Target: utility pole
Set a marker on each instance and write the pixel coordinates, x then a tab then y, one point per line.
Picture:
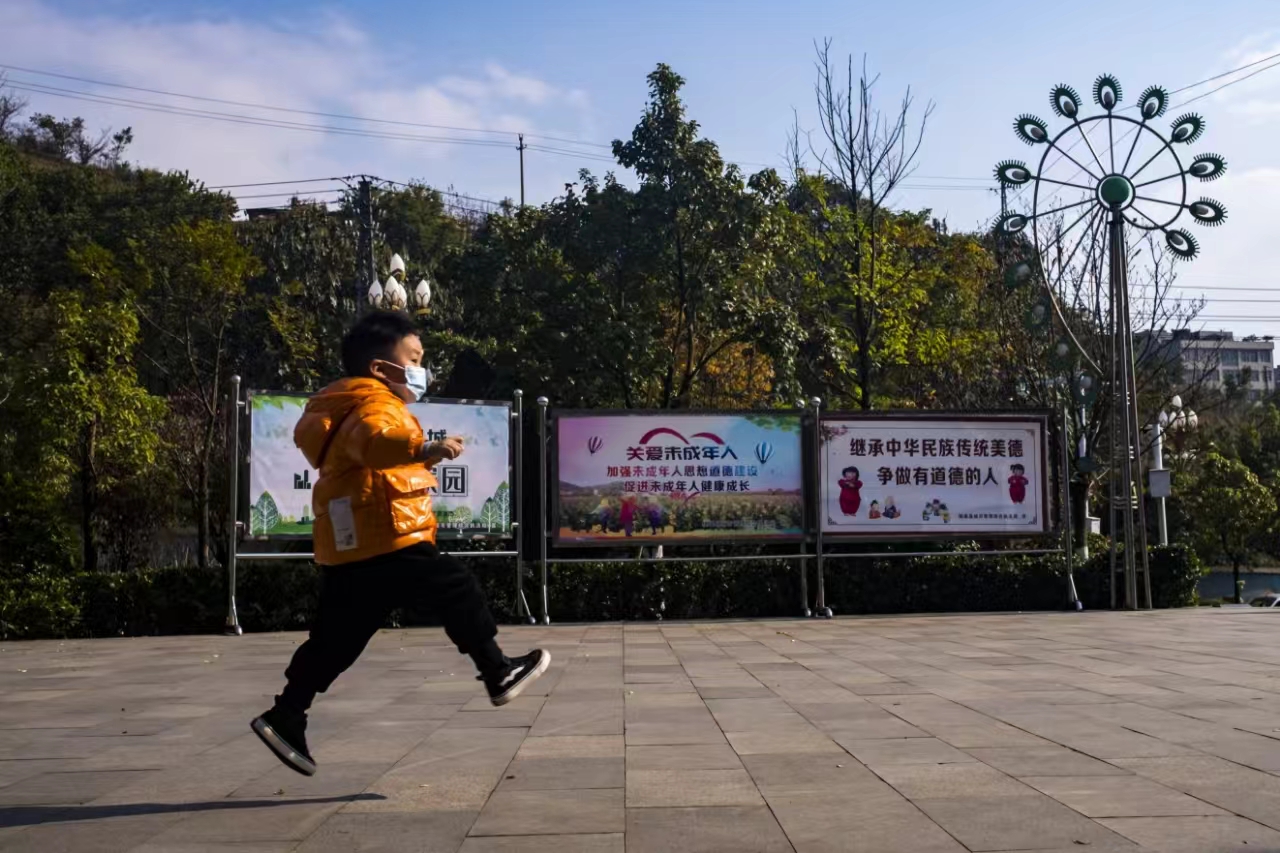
521	148
366	271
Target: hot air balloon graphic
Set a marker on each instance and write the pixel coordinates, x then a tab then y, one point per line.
764	452
594	444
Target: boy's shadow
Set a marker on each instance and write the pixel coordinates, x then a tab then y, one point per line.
11	816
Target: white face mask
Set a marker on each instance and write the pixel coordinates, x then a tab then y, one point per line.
418	379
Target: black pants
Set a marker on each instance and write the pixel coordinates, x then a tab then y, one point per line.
357	598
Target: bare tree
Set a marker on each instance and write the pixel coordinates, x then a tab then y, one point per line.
11	107
868	154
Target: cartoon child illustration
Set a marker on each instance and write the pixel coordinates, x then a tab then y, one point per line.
602	513
890	508
928	511
1017	484
850	491
874	512
946	514
936	506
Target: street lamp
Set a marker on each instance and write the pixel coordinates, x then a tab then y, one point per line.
1160	480
393	296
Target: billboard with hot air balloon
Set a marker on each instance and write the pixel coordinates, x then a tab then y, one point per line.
650	478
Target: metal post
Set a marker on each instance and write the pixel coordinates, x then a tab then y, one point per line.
820	607
543	533
1143	558
1113	509
1066	508
1157	458
233	482
804	586
517	489
1122	362
521	147
366	268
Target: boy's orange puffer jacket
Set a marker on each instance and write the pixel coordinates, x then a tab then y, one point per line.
370	443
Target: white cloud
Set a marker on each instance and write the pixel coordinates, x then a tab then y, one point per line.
327	65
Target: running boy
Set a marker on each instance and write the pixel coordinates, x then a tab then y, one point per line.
375	533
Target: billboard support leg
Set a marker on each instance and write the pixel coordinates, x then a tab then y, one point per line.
821	608
234	405
804	581
1073	597
517	489
543	533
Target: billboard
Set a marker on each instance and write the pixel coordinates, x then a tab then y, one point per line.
917	477
472	500
650	478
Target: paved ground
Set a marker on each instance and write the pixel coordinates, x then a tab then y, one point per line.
1096	732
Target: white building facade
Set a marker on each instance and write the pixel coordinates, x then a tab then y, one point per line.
1222	361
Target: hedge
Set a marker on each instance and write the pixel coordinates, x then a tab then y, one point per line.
282	595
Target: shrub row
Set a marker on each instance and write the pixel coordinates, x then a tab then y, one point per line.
282	596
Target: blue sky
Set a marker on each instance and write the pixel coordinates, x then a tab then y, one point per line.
575	70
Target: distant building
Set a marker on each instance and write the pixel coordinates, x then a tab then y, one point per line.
1248	363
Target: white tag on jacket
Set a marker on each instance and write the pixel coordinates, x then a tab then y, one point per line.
343	521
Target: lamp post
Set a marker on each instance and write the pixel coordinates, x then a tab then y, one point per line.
393	296
1173	419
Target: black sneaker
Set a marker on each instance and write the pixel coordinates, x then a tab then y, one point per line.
510	681
286	734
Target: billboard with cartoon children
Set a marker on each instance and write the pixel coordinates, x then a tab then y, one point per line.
473	499
650	477
905	476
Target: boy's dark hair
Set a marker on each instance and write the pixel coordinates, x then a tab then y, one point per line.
846	471
1017	468
374	335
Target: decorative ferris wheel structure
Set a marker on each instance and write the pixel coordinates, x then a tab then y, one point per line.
1096	181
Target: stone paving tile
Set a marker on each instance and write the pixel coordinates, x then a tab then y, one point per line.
583	746
688	757
705	830
913	750
105	835
1119	796
611	843
668	788
428	831
552	813
1046	761
859	822
1196	834
1125	722
935	781
1005	823
538	774
66	787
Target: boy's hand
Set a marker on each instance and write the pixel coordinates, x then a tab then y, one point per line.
448	448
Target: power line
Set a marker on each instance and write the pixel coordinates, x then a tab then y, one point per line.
236	118
277	183
294	110
293	194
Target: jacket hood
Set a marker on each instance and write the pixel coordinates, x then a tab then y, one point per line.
327	410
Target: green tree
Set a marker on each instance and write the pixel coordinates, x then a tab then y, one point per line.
99	426
264	516
502	505
188	286
1231	510
489	515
